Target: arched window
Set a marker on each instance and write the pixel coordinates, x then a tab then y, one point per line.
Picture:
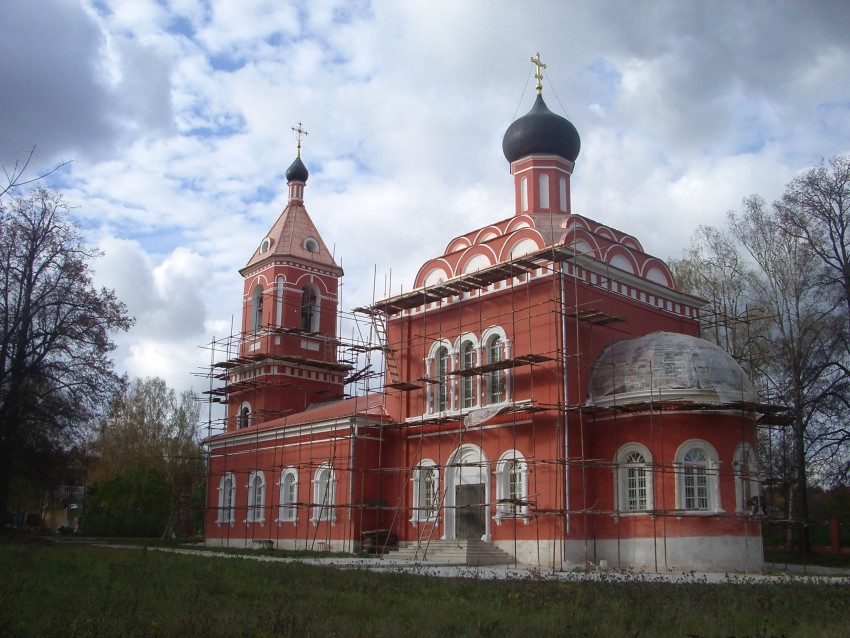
467	382
511	486
256	497
279	300
324	494
310	309
441	376
495	378
425	492
288	495
697	487
544	190
747	497
562	193
226	499
633	479
243	417
257	308
523	194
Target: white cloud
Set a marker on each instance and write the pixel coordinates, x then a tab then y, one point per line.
178	115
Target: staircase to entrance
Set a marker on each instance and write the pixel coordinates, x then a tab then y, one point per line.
454	552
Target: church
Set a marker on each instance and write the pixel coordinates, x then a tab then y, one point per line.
542	397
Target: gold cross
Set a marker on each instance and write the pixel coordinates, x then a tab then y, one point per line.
299	135
539	75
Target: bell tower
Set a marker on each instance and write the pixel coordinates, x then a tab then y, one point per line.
288	357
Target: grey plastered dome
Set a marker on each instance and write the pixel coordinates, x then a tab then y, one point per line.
667	366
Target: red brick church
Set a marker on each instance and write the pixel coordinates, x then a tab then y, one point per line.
544	397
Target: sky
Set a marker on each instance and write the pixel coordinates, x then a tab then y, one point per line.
177	116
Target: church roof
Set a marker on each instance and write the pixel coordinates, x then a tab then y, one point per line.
540	131
293	235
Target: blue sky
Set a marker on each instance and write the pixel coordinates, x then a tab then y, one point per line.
177	117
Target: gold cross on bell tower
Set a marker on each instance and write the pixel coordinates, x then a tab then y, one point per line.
539	74
299	135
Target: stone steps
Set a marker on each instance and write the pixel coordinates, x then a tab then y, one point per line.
454	552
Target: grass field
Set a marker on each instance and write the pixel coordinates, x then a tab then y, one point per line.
93	591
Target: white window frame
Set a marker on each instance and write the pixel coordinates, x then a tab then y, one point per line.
256	318
503	376
226	500
711	474
543	185
511	465
280	284
442	379
624	469
244	419
287	510
256	498
468	386
314	310
422	510
324	494
747	485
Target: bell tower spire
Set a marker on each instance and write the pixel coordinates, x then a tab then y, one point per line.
296	174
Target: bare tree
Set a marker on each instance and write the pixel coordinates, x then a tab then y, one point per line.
55	328
816	209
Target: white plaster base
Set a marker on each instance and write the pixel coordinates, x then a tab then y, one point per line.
702	553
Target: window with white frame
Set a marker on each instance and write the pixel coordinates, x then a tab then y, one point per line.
633	479
257	308
256	497
441	376
511	486
496	378
324	494
243	417
544	190
281	281
310	308
467	382
426	500
288	495
226	499
697	486
747	498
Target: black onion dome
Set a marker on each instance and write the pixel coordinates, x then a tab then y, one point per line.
541	131
297	172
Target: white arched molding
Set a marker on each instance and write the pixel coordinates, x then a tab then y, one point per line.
523	247
657	276
226	500
256	498
467	355
426	492
697	469
244	417
437	368
257	308
511	487
435	277
288	484
467	465
747	493
324	494
495	347
633	480
280	283
478	262
622	262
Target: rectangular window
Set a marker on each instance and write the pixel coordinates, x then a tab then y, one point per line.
696	489
636	489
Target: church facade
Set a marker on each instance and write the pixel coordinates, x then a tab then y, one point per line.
543	391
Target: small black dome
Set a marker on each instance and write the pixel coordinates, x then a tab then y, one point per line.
297	172
541	131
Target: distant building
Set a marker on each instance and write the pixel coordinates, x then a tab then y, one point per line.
545	393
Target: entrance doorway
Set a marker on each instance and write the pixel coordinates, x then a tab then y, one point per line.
471	512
